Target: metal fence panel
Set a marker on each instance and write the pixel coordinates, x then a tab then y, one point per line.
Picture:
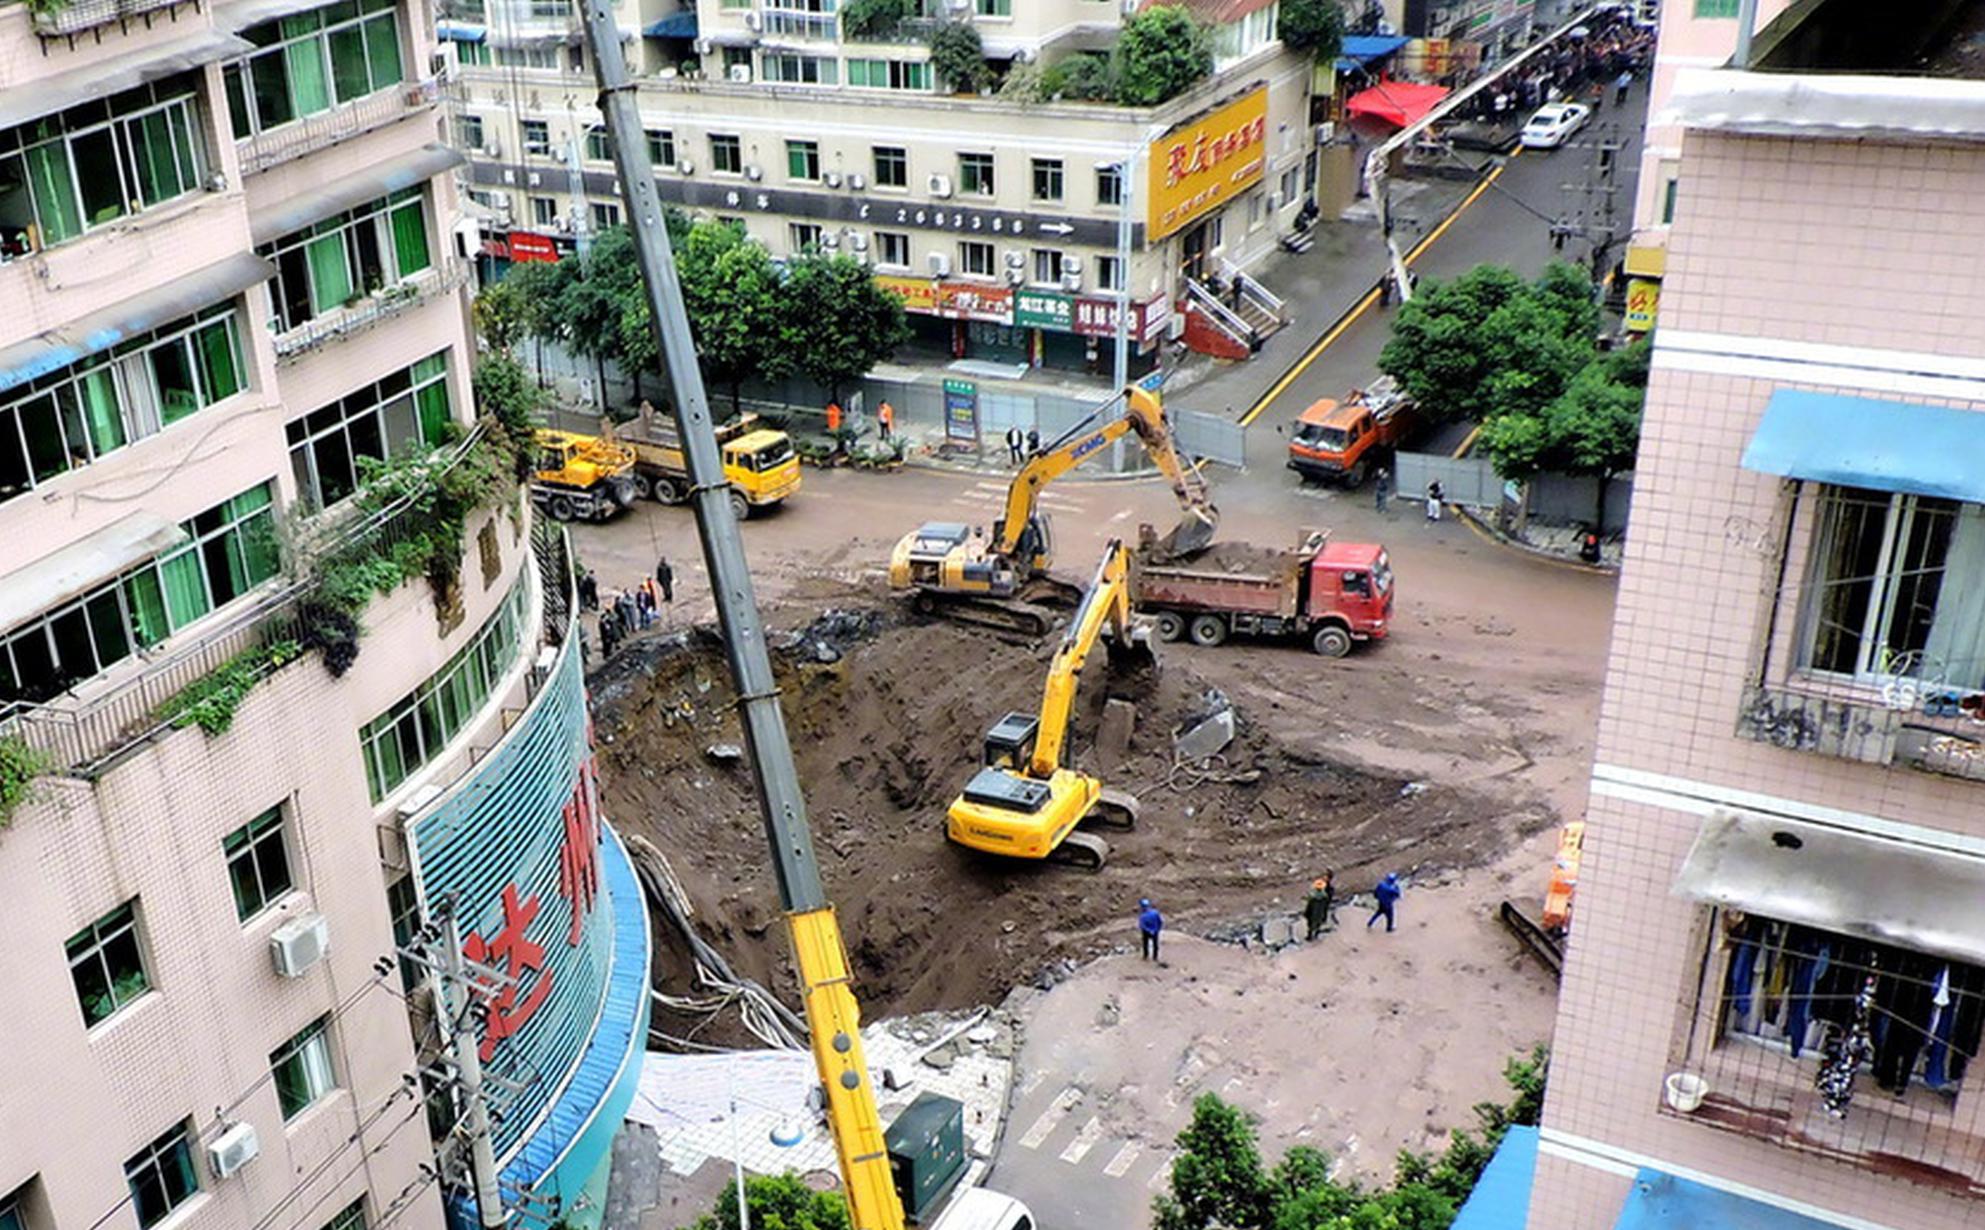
1464	480
1212	436
1564	499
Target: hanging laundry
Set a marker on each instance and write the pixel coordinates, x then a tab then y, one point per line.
1845	1051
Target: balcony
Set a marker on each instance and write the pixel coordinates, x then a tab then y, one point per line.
795	23
54	20
445	278
1902	723
327	128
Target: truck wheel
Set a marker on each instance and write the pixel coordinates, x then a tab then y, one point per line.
560	508
1209	630
740	507
1171	626
1331	642
1354	478
665	492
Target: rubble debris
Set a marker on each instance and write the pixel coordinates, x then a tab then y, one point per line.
724	753
1113	740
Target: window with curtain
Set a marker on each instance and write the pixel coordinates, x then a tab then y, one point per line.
90	165
348	255
72	416
402	414
313	61
302	1068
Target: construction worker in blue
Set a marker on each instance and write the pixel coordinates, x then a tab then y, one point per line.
1149	923
1387	893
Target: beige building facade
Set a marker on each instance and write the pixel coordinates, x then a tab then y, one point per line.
1772	996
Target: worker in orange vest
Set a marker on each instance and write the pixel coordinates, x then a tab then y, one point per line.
885	420
833	417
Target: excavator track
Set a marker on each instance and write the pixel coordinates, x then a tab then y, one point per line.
1085	851
1023	618
1116	809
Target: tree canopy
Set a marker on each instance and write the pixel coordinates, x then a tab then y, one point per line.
865	326
778	1202
1315	26
958	55
1161	53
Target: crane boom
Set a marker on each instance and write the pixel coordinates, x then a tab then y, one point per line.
833	1017
1106	604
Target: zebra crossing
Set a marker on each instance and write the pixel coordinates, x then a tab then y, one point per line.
1083	1142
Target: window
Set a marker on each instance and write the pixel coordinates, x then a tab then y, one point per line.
805	236
598	147
302	1068
1895	586
892	166
606	215
402	414
162	1176
975	259
312	62
544	211
525	57
975	173
233	549
537	138
1109	273
892	248
889	74
106	965
1292	185
1669	187
74	415
1047	266
1047	179
789	69
468	131
348	256
398	742
1109	185
726	155
737	57
803	160
257	863
661	147
13	1216
1245	35
78	169
473	54
403	906
352	1217
993	8
1716	8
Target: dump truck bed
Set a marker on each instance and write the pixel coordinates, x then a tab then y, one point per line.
1233	577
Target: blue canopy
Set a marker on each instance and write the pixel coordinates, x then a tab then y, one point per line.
1361	49
1863	442
675	25
1660	1201
461	31
1501	1199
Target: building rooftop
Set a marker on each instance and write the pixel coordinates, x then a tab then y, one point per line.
1934	38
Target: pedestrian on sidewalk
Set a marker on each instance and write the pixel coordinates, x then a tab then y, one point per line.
1620	84
665	577
1435	495
644	607
609	633
885	421
1387	894
1316	909
1149	923
1033	442
589	591
1013	442
625	611
1382	489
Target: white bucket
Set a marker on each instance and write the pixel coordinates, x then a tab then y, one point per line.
1686	1090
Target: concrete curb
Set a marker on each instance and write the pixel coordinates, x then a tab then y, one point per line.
1492	534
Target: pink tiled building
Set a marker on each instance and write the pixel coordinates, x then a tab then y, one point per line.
1773	994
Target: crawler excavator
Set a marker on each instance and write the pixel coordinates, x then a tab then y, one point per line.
876	1168
1003	581
1024	802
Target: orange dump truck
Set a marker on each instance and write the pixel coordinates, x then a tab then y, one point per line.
1341	442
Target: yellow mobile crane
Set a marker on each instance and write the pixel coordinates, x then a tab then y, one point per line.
998	580
1024	802
870	1160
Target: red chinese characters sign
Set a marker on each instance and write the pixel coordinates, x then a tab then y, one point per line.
975	301
579	856
511	952
525	246
1196	169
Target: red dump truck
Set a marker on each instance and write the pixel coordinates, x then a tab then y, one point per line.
1330	594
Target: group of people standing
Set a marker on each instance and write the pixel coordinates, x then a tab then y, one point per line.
634	609
1319	911
1382	494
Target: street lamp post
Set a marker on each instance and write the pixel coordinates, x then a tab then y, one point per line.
1120	358
784	1134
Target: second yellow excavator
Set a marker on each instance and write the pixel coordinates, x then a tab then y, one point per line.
998	580
1024	802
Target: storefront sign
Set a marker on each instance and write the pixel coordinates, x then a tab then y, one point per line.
1643	303
961	410
1098	318
1043	309
525	247
917	294
1209	162
975	301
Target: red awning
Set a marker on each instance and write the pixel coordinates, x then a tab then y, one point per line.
1398	103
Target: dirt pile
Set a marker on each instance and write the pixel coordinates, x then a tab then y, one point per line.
887	718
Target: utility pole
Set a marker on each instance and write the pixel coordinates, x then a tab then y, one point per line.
451	992
1120	364
1590	208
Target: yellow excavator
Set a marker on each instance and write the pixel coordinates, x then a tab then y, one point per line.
1024	802
1001	581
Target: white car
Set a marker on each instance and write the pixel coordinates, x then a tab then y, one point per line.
1554	124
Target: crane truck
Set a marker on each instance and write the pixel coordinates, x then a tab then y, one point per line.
1002	581
1024	802
869	1174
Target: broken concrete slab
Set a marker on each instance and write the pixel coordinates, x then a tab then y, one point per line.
1113	737
1206	739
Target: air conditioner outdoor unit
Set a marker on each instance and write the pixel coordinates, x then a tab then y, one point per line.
1274	201
831	178
857	181
741	73
509	175
232	1150
1013	277
940	265
753	171
684	166
533	178
299	944
1071	264
535	104
491	147
1071	281
1015	260
939	185
830	240
753	21
858	241
1325	131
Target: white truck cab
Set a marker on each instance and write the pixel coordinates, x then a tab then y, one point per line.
978	1208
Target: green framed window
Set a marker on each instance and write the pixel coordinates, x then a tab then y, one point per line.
258	869
401	414
347	256
803	160
312	61
161	1175
107	965
302	1068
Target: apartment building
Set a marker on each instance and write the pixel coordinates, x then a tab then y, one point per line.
232	280
1776	975
996	219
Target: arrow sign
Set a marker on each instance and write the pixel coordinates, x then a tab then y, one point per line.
1057	228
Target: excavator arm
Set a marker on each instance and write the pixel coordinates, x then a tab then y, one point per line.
1143	414
1105	604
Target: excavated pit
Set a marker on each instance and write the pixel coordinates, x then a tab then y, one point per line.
886	719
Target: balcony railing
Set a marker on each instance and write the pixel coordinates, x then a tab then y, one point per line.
1902	723
445	278
786	23
327	128
80	15
85	737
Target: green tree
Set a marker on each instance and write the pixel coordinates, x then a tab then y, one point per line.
873	19
778	1202
1217	1179
1160	54
537	286
501	315
839	323
959	57
732	294
1591	428
1488	342
505	392
1315	26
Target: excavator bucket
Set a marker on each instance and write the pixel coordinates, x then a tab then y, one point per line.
1133	661
1193	534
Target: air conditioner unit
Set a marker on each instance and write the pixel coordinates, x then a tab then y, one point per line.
491	147
940	264
752	171
1274	201
1015	260
1014	277
1324	132
938	185
858	242
829	240
752	20
232	1150
684	166
741	73
509	175
1071	264
701	46
533	178
535	104
299	944
857	181
831	178
1070	281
